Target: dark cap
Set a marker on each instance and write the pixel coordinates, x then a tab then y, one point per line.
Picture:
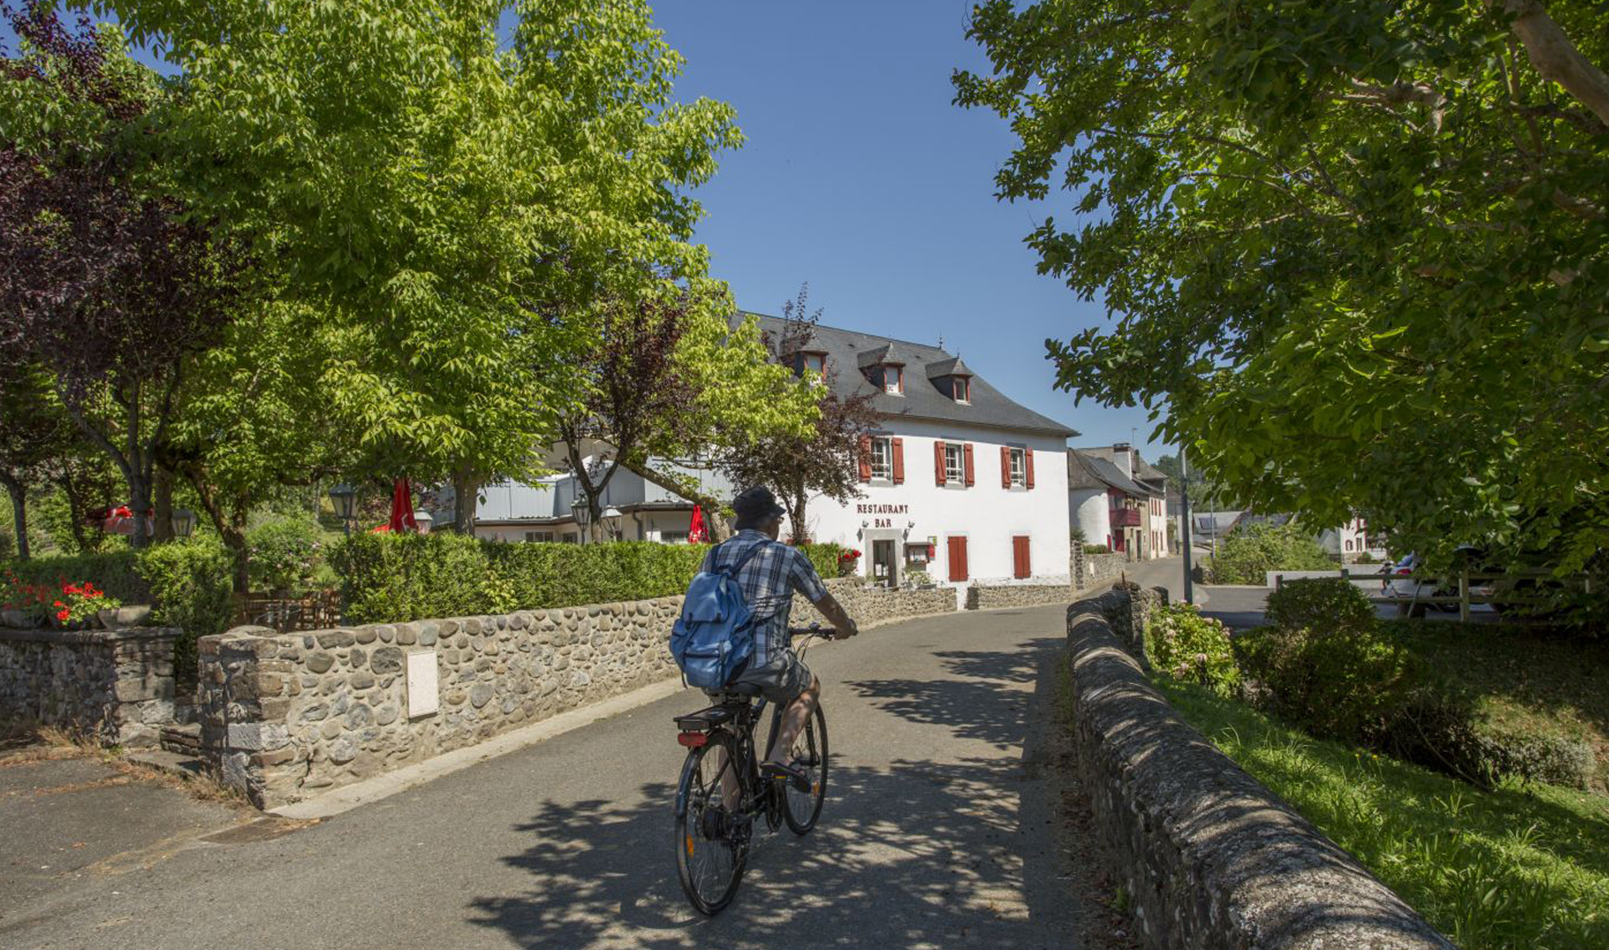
757	504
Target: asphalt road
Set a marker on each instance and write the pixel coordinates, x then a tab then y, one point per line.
940	830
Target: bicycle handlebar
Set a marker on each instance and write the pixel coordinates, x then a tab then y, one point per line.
815	629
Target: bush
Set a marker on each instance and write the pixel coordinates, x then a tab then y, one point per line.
1320	603
191	584
116	572
394	578
283	553
1251	551
1097	549
1342	684
1186	646
826	558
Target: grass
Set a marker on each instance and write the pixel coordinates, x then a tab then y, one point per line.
1505	868
1521	681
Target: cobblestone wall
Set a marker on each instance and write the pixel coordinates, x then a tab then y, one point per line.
114	685
287	716
987	597
1210	858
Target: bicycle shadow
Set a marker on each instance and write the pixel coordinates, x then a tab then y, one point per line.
911	854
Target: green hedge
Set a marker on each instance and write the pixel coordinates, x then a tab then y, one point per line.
1251	551
115	572
395	578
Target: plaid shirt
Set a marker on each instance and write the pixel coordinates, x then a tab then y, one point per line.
768	581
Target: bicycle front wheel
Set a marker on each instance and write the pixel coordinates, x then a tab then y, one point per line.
809	755
712	841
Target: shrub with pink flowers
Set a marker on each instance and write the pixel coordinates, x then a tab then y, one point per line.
1184	645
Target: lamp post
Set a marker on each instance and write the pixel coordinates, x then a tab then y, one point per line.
611	522
184	522
582	512
344	499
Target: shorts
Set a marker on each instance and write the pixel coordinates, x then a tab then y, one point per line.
781	680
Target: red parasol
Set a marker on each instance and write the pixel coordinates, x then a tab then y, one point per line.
402	507
696	532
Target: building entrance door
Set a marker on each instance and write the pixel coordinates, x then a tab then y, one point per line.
885	570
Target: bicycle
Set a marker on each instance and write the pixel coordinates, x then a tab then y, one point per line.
713	837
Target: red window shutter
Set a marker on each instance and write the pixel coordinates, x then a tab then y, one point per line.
968	453
1005	466
865	458
958	559
1028	457
899	461
938	462
1021	561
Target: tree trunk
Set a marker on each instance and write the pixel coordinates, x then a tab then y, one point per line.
19	512
162	528
466	496
1556	58
715	512
78	512
139	504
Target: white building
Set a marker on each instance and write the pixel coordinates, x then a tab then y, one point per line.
1348	541
959	481
1118	500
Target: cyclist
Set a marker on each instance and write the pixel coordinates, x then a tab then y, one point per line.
768	582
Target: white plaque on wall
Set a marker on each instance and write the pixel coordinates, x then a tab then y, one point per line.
423	694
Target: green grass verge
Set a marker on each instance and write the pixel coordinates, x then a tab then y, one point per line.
1521	682
1501	869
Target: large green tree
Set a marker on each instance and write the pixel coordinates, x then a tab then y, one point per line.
1355	252
443	198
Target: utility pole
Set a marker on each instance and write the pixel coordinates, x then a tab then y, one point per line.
1184	496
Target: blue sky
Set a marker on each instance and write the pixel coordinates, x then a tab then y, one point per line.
860	178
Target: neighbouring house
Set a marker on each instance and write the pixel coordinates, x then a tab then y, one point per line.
953	481
1118	499
1349	540
950	485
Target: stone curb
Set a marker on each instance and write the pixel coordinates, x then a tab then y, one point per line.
1211	858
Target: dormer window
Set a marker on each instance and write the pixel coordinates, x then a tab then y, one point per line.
961	388
813	363
894	380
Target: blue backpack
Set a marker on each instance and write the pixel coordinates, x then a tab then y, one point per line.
714	637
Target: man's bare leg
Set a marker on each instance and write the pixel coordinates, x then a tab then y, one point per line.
793	719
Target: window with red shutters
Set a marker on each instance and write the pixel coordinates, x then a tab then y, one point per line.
1005	466
958	559
938	464
1030	454
899	461
970	473
1021	561
865	458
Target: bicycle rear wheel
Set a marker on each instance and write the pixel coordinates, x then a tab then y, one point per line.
803	809
712	843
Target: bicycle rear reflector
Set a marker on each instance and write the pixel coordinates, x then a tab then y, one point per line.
692	740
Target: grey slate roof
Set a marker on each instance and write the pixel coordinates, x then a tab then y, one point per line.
1089	471
922	398
879	356
948	367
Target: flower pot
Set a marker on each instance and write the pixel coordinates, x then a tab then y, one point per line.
108	618
19	619
133	615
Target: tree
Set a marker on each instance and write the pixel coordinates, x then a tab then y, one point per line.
33	433
666	380
105	282
824	459
1355	252
1204	495
447	202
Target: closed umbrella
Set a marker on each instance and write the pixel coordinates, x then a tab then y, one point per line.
402	507
696	532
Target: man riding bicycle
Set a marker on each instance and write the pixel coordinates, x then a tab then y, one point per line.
768	581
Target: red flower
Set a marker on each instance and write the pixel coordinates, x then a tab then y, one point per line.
59	604
64	615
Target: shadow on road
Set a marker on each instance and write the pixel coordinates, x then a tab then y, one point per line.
913	854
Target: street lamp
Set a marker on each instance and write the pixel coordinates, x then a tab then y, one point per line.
344	499
184	522
611	522
582	512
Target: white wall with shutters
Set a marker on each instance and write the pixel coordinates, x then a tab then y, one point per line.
986	513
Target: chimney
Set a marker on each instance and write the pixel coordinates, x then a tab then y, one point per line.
1123	458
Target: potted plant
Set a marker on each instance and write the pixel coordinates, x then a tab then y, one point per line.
848	562
78	604
918	579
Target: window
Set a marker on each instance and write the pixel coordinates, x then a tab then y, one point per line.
883	458
815	363
1021	558
570	537
893	380
961	388
1019	468
539	537
955	472
673	537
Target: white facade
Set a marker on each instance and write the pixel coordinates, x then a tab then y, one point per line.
1092	514
918	516
1348	541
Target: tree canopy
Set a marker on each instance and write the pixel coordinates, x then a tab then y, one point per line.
1354	252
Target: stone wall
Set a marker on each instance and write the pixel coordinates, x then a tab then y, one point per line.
285	717
114	685
1091	571
988	597
1211	859
871	605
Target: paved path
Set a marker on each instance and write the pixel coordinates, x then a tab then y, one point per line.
940	831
